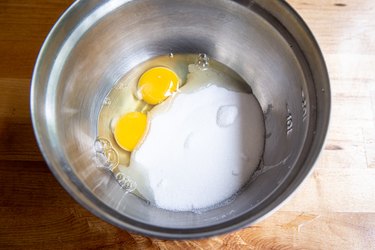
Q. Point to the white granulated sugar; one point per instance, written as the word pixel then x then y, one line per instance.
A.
pixel 200 149
pixel 226 115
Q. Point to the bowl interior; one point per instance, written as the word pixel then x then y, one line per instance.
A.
pixel 94 44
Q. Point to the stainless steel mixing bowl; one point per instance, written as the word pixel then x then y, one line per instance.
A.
pixel 96 42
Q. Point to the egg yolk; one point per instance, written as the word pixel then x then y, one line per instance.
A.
pixel 156 84
pixel 130 129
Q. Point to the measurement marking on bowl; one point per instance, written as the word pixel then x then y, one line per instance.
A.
pixel 105 155
pixel 202 61
pixel 122 86
pixel 107 101
pixel 125 182
pixel 304 107
pixel 289 121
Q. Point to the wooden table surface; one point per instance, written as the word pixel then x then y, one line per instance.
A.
pixel 334 209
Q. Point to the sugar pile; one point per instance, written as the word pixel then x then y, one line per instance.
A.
pixel 200 149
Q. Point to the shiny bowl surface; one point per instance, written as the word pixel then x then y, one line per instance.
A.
pixel 96 42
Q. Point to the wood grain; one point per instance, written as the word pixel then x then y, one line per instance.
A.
pixel 334 209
